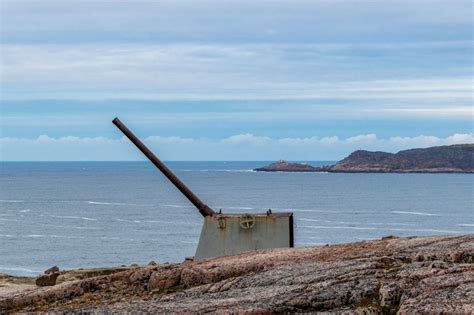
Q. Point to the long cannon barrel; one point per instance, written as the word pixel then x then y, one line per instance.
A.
pixel 203 208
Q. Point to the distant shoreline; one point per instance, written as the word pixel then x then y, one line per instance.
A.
pixel 366 172
pixel 451 159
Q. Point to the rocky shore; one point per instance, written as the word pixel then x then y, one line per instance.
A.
pixel 430 275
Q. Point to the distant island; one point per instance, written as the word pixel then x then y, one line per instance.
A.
pixel 457 158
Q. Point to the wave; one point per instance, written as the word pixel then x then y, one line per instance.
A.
pixel 13 210
pixel 51 235
pixel 416 213
pixel 297 173
pixel 312 237
pixel 122 239
pixel 81 227
pixel 337 227
pixel 317 220
pixel 73 227
pixel 219 170
pixel 69 217
pixel 65 236
pixel 426 230
pixel 353 222
pixel 11 200
pixel 235 171
pixel 6 268
pixel 322 211
pixel 103 203
pixel 189 242
pixel 11 220
pixel 465 224
pixel 389 223
pixel 379 229
pixel 159 221
pixel 125 220
pixel 90 202
pixel 175 206
pixel 236 208
pixel 302 210
pixel 172 222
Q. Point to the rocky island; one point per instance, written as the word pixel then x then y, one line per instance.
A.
pixel 284 166
pixel 413 275
pixel 457 158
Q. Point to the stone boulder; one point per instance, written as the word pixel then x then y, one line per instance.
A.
pixel 53 269
pixel 47 279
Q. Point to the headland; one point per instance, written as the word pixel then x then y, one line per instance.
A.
pixel 457 158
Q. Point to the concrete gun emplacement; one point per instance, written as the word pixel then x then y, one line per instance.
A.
pixel 226 234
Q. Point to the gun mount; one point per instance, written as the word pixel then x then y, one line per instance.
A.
pixel 226 234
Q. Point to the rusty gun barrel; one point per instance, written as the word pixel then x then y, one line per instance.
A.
pixel 203 208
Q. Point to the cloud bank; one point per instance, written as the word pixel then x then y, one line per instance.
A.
pixel 223 73
pixel 241 147
pixel 238 71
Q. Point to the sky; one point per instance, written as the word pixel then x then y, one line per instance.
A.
pixel 233 80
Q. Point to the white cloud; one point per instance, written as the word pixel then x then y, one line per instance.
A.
pixel 246 139
pixel 45 139
pixel 369 138
pixel 425 140
pixel 427 111
pixel 460 137
pixel 180 19
pixel 72 139
pixel 224 71
pixel 159 139
pixel 237 147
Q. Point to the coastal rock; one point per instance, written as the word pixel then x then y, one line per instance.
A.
pixel 369 277
pixel 390 294
pixel 47 279
pixel 142 275
pixel 283 166
pixel 164 279
pixel 53 269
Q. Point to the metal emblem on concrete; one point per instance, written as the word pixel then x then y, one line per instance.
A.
pixel 247 222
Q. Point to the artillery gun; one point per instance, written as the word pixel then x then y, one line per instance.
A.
pixel 226 234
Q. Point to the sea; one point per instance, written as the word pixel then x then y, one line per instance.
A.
pixel 98 214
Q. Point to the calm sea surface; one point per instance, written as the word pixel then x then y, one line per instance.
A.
pixel 92 214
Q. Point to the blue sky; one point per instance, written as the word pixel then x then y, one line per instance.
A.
pixel 233 80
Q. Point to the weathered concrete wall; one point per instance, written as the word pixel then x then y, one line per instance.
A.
pixel 227 234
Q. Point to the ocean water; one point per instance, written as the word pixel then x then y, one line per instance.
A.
pixel 93 214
